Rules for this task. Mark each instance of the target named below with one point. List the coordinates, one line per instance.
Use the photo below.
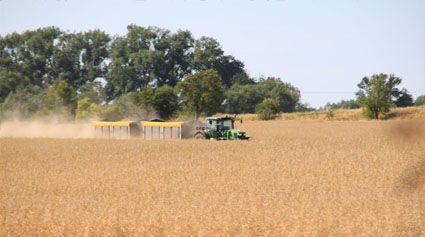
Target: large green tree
(208, 55)
(148, 56)
(25, 70)
(47, 55)
(131, 61)
(202, 92)
(379, 93)
(10, 81)
(242, 78)
(375, 94)
(30, 54)
(163, 100)
(172, 58)
(80, 58)
(287, 94)
(244, 98)
(403, 98)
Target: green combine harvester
(221, 128)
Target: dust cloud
(48, 128)
(191, 127)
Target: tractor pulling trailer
(215, 128)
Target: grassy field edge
(414, 112)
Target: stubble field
(294, 178)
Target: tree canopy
(343, 104)
(102, 69)
(151, 71)
(268, 109)
(420, 100)
(163, 100)
(244, 98)
(378, 93)
(202, 92)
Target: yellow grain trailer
(122, 129)
(161, 130)
(144, 129)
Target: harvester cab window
(212, 124)
(227, 124)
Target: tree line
(81, 74)
(377, 95)
(152, 72)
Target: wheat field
(314, 178)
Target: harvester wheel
(199, 136)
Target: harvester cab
(221, 128)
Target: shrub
(268, 109)
(330, 114)
(60, 100)
(420, 100)
(85, 109)
(111, 113)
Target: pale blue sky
(322, 47)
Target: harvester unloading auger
(218, 128)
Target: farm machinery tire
(199, 136)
